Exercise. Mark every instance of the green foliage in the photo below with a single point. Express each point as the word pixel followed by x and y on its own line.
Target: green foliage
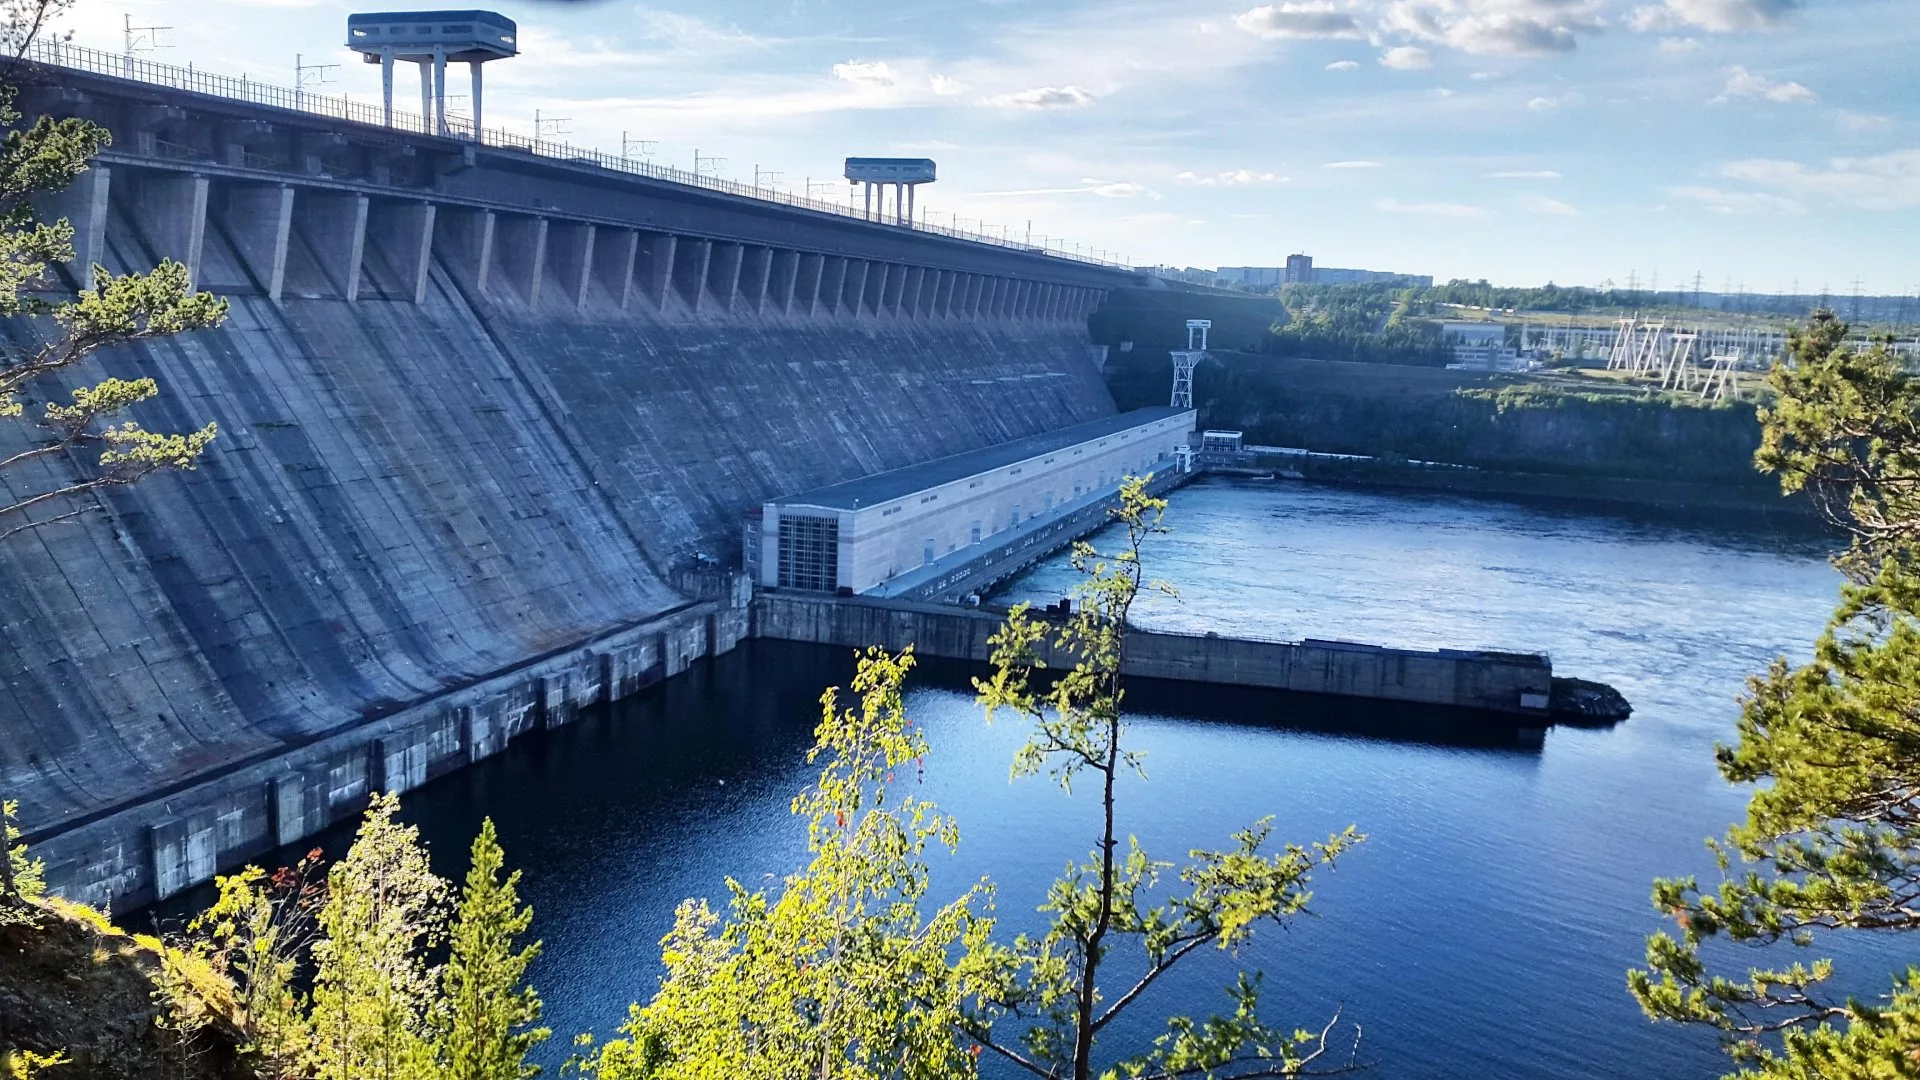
pixel 22 880
pixel 37 160
pixel 373 988
pixel 1359 323
pixel 488 1013
pixel 256 935
pixel 362 935
pixel 27 1065
pixel 840 976
pixel 1831 840
pixel 1517 397
pixel 1050 987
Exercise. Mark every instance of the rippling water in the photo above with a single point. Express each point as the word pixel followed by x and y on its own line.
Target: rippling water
pixel 1483 929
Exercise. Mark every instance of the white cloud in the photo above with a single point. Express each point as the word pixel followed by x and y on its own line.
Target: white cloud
pixel 1441 92
pixel 1344 65
pixel 1106 189
pixel 1354 165
pixel 1717 201
pixel 947 87
pixel 1231 178
pixel 1406 58
pixel 1742 83
pixel 1884 182
pixel 1859 121
pixel 1310 19
pixel 1432 209
pixel 1523 174
pixel 1493 27
pixel 1714 16
pixel 1483 76
pixel 1558 101
pixel 864 73
pixel 1679 45
pixel 1534 203
pixel 927 147
pixel 684 33
pixel 1044 97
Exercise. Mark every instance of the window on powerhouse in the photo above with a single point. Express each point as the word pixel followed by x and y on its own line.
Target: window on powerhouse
pixel 809 552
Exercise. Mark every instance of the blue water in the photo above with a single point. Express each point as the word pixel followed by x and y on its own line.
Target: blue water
pixel 1483 929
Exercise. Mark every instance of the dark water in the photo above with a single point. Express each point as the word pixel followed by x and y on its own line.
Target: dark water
pixel 1481 931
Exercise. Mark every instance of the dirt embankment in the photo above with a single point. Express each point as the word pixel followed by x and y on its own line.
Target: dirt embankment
pixel 75 985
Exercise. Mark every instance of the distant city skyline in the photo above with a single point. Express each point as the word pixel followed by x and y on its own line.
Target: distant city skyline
pixel 1773 144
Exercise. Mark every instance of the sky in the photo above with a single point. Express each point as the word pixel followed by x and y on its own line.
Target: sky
pixel 1770 144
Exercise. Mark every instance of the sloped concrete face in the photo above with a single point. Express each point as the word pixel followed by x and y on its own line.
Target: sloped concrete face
pixel 431 484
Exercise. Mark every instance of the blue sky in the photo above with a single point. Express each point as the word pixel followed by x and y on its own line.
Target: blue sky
pixel 1764 142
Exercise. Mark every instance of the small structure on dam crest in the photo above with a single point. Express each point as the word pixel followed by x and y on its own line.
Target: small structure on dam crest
pixel 432 39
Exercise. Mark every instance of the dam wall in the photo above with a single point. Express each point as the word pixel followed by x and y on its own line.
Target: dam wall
pixel 479 412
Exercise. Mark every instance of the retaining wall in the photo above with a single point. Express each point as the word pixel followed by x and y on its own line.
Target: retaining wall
pixel 1508 683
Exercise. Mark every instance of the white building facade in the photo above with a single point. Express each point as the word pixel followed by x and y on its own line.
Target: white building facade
pixel 864 533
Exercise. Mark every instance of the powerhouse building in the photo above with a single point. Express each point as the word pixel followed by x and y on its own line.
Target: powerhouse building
pixel 864 533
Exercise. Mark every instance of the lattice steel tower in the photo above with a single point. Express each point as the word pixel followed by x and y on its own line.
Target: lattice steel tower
pixel 1184 361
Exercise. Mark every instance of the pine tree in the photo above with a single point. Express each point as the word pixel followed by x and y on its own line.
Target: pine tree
pixel 373 987
pixel 21 878
pixel 488 1012
pixel 1831 841
pixel 53 338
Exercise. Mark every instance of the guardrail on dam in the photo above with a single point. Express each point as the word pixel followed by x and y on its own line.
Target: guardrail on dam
pixel 476 408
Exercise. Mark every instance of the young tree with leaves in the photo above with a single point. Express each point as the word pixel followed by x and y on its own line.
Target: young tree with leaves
pixel 1051 987
pixel 373 988
pixel 1831 840
pixel 839 977
pixel 488 1014
pixel 842 977
pixel 258 934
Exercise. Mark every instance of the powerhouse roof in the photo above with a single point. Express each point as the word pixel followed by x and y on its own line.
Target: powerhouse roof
pixel 899 483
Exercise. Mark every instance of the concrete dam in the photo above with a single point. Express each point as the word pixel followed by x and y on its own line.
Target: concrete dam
pixel 481 411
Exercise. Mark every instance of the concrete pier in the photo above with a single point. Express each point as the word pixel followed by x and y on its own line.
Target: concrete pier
pixel 1512 684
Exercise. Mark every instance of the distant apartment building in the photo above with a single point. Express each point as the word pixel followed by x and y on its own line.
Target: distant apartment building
pixel 1252 277
pixel 1333 275
pixel 1192 275
pixel 1300 270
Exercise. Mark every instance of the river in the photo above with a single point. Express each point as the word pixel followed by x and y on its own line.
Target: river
pixel 1482 930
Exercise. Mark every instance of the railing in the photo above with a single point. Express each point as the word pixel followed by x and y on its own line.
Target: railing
pixel 80 58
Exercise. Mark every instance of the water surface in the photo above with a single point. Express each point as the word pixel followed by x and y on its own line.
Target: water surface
pixel 1483 929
